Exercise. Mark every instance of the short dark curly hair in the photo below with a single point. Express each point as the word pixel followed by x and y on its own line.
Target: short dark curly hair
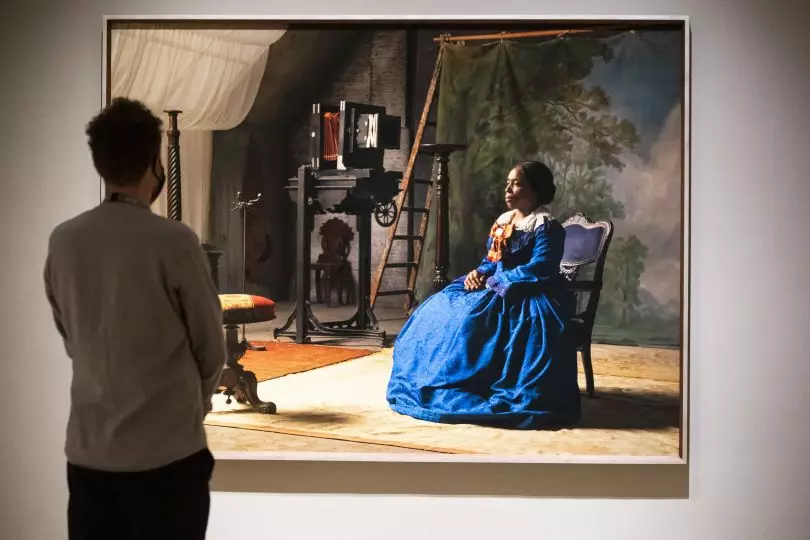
pixel 124 141
pixel 540 179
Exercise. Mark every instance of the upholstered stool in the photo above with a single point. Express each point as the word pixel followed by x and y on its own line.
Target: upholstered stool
pixel 238 309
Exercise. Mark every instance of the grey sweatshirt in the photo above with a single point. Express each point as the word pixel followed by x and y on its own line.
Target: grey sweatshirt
pixel 134 301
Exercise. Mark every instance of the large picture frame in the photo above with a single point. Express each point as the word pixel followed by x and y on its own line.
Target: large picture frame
pixel 237 211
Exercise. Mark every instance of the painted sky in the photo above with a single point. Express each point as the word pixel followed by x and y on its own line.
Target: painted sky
pixel 645 85
pixel 644 80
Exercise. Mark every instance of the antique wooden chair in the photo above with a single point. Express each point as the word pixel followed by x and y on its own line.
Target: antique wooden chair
pixel 332 269
pixel 582 266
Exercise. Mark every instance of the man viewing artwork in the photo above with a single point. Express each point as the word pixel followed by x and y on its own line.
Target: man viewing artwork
pixel 140 317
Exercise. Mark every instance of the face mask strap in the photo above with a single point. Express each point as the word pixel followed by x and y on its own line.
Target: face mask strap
pixel 161 178
pixel 155 163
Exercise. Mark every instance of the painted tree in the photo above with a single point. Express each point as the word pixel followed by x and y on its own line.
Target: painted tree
pixel 622 277
pixel 517 101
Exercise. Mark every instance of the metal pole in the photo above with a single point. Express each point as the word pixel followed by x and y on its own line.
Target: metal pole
pixel 243 206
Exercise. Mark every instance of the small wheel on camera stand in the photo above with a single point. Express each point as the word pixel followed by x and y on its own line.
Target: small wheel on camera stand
pixel 385 213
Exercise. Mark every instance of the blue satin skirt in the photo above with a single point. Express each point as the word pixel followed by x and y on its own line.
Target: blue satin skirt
pixel 473 357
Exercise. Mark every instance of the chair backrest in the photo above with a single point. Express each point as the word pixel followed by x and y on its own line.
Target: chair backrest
pixel 336 240
pixel 586 243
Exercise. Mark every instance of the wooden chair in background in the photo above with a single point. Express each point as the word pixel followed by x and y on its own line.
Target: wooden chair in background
pixel 333 270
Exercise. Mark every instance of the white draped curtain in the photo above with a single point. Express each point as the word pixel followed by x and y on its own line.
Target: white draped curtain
pixel 211 75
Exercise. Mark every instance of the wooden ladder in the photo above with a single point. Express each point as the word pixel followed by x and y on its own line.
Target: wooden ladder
pixel 407 193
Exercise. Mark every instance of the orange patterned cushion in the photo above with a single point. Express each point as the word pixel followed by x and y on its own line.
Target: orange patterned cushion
pixel 246 308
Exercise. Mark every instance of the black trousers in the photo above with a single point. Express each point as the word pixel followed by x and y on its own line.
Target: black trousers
pixel 171 502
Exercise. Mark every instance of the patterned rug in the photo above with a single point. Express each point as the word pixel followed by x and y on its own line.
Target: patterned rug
pixel 282 358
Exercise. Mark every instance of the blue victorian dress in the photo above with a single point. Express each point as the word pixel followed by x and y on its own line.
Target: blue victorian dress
pixel 502 355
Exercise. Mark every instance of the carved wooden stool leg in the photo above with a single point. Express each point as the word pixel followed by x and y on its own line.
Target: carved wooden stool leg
pixel 248 391
pixel 239 382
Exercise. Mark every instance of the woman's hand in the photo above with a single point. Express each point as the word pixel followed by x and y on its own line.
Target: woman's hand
pixel 474 281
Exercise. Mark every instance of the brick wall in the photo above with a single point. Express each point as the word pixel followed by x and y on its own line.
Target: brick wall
pixel 375 73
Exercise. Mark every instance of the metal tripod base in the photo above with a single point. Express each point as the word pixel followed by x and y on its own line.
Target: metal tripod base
pixel 349 328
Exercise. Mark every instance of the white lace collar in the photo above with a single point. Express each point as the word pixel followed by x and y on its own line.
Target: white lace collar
pixel 528 223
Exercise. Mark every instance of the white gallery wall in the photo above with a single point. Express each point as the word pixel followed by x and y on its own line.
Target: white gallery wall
pixel 749 476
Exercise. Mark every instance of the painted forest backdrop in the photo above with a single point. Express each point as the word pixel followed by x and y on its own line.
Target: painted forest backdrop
pixel 605 114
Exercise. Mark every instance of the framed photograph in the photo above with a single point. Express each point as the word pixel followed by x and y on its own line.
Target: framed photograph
pixel 457 239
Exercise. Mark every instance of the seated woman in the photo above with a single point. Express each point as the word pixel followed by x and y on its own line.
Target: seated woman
pixel 493 347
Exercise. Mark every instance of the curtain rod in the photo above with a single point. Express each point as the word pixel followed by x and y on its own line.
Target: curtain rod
pixel 515 35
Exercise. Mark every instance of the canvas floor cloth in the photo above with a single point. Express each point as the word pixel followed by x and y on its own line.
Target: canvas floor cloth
pixel 635 413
